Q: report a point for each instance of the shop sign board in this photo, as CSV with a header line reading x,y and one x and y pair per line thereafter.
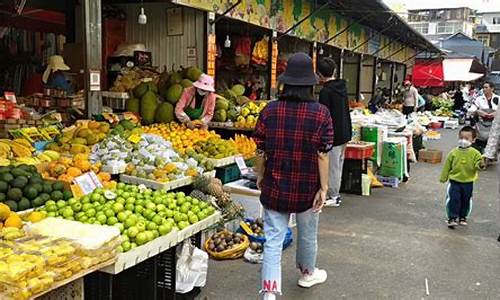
x,y
211,55
281,15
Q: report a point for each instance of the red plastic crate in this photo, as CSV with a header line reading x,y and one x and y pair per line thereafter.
x,y
358,153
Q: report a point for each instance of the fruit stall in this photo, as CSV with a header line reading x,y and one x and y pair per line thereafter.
x,y
146,189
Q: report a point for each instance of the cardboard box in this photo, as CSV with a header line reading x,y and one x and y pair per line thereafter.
x,y
430,156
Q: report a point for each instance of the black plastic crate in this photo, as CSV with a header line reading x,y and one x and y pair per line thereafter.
x,y
352,177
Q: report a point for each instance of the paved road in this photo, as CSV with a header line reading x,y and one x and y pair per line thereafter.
x,y
385,246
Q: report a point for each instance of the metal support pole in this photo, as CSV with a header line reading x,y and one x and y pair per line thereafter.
x,y
92,49
341,67
391,86
304,19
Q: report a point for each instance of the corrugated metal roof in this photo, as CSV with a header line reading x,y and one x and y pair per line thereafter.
x,y
377,15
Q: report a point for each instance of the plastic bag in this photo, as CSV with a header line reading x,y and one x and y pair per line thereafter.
x,y
253,256
243,51
191,269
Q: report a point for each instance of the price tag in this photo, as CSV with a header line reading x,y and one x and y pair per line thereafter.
x,y
241,164
134,138
88,182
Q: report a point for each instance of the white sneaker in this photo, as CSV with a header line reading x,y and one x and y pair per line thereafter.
x,y
269,296
309,280
333,202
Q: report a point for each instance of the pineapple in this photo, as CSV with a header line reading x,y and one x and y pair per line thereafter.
x,y
199,195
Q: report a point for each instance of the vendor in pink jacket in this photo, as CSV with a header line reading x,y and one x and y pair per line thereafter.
x,y
197,104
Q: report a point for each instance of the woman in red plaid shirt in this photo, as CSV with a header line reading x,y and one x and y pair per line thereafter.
x,y
293,137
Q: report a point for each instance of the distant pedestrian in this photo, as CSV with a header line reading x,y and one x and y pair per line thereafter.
x,y
334,97
293,137
492,152
410,98
461,170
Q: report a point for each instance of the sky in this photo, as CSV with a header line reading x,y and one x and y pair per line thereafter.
x,y
475,4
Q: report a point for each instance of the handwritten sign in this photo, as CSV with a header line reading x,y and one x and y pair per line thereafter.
x,y
240,162
88,182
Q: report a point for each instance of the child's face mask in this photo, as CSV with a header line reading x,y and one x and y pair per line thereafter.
x,y
201,92
463,143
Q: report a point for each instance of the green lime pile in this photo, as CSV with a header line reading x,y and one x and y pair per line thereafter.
x,y
22,187
141,215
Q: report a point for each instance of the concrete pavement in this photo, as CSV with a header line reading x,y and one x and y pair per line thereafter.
x,y
385,247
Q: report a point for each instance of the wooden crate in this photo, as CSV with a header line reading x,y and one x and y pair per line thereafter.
x,y
430,156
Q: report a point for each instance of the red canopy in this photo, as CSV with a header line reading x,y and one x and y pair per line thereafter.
x,y
428,73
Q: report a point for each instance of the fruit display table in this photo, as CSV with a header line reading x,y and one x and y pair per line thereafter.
x,y
152,275
70,288
137,255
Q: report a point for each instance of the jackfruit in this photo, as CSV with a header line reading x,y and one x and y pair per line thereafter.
x,y
133,105
175,78
220,116
164,113
238,89
149,103
186,83
174,93
193,73
152,87
140,90
221,104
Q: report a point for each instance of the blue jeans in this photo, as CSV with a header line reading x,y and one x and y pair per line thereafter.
x,y
275,228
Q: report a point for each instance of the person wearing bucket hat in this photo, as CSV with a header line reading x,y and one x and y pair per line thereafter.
x,y
293,137
197,104
53,77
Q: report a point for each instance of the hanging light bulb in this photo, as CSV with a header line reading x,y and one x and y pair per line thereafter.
x,y
227,42
321,51
142,19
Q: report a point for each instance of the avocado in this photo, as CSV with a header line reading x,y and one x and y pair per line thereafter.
x,y
24,204
47,188
15,194
7,177
38,187
37,202
20,182
12,205
30,192
5,169
57,195
4,186
67,195
58,186
36,178
20,172
45,197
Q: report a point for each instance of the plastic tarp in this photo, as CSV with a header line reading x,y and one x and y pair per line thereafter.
x,y
458,69
428,73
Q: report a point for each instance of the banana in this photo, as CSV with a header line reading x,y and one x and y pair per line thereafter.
x,y
44,157
24,142
53,155
4,147
20,150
